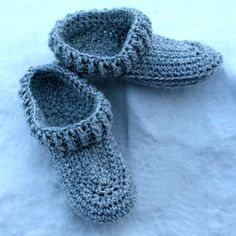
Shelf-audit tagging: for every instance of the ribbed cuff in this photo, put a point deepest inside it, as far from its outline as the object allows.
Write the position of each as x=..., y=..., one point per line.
x=137, y=42
x=89, y=130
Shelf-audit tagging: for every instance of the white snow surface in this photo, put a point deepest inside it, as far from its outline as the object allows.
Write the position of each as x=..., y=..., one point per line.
x=179, y=144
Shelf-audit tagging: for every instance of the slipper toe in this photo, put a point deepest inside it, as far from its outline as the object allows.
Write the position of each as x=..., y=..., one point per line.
x=96, y=181
x=172, y=63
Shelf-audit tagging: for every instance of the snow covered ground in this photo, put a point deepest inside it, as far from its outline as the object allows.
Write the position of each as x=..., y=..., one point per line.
x=179, y=144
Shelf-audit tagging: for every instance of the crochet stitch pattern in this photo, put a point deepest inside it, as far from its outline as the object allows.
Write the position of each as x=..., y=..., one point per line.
x=120, y=43
x=73, y=120
x=101, y=43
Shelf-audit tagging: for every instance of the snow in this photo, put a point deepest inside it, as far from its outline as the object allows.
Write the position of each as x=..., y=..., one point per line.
x=179, y=144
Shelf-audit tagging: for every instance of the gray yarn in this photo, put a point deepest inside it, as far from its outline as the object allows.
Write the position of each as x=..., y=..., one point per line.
x=120, y=43
x=101, y=43
x=73, y=120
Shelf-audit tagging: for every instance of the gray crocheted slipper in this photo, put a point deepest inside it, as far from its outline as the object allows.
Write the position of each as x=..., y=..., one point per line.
x=73, y=120
x=120, y=43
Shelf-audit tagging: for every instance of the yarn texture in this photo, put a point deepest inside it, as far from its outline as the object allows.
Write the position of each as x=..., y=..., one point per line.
x=101, y=43
x=73, y=120
x=119, y=43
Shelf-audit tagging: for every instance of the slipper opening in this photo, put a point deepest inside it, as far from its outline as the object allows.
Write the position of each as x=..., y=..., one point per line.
x=98, y=34
x=58, y=103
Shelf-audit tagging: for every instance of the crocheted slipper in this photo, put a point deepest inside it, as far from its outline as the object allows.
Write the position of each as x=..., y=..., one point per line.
x=120, y=43
x=73, y=120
